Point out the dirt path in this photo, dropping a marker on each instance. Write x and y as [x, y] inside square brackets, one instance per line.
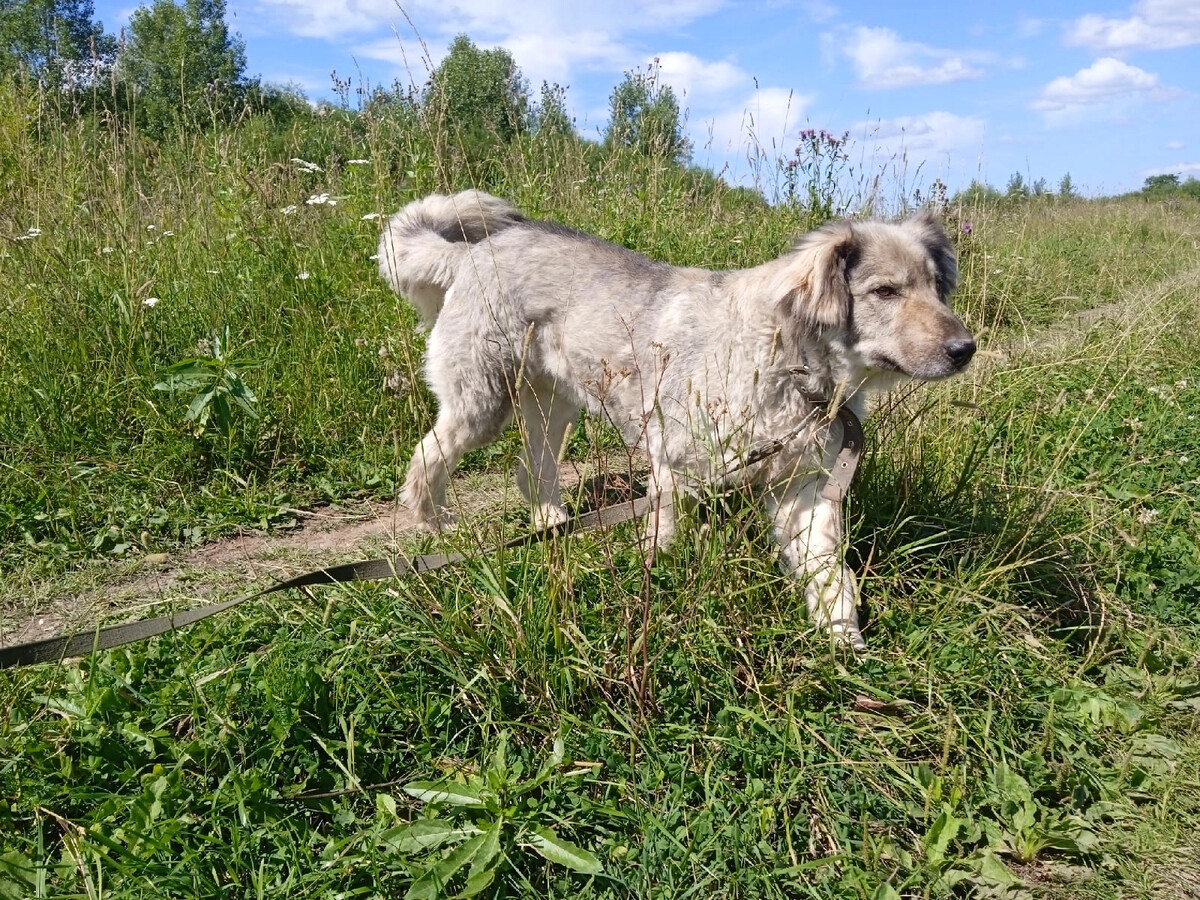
[107, 590]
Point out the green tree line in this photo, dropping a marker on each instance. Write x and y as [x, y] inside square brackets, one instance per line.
[180, 67]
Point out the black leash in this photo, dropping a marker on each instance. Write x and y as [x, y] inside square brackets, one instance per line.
[55, 649]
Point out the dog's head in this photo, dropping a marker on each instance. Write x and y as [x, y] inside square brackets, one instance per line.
[888, 286]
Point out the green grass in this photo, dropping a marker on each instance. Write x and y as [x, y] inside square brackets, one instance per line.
[1024, 723]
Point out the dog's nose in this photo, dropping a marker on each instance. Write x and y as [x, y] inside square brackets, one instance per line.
[960, 350]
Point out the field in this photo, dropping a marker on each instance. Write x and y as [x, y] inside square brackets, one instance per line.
[196, 351]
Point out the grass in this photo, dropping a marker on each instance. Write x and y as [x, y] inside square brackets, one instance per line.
[559, 720]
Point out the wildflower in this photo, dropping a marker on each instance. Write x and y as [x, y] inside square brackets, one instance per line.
[30, 234]
[321, 200]
[106, 249]
[373, 256]
[369, 216]
[168, 233]
[383, 352]
[151, 227]
[150, 302]
[305, 166]
[966, 228]
[302, 276]
[359, 162]
[289, 209]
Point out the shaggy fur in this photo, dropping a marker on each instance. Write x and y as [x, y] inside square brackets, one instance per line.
[534, 319]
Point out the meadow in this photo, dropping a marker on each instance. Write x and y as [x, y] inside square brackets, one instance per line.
[195, 343]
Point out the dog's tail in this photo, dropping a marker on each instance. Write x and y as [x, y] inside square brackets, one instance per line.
[422, 244]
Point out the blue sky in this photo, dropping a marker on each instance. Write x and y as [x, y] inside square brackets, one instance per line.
[957, 90]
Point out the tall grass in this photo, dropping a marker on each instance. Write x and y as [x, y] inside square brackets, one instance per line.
[1025, 720]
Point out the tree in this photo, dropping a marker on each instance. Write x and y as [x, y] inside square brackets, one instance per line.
[184, 66]
[1066, 188]
[55, 41]
[1161, 184]
[1016, 186]
[480, 96]
[644, 115]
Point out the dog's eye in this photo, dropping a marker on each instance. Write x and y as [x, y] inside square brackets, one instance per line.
[886, 292]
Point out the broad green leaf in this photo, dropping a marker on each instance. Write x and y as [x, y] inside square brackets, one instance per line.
[943, 830]
[461, 855]
[992, 870]
[444, 792]
[17, 876]
[477, 882]
[424, 834]
[432, 884]
[561, 851]
[198, 409]
[488, 849]
[424, 888]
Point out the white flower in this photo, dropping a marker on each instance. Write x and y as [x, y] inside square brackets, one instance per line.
[369, 216]
[151, 227]
[288, 210]
[373, 256]
[321, 200]
[168, 233]
[151, 302]
[305, 166]
[359, 162]
[303, 276]
[30, 234]
[212, 271]
[106, 249]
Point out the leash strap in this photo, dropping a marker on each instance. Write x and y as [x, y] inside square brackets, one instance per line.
[55, 649]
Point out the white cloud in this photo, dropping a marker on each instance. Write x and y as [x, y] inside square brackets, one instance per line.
[1175, 145]
[1106, 82]
[1154, 25]
[1029, 27]
[921, 137]
[693, 78]
[1181, 169]
[883, 60]
[766, 121]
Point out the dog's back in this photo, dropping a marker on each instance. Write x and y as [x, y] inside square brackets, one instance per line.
[422, 244]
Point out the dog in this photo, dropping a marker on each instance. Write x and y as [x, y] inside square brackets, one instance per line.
[534, 320]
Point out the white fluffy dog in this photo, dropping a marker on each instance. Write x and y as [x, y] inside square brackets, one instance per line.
[695, 366]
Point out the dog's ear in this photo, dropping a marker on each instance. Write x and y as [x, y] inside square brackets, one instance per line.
[929, 231]
[820, 294]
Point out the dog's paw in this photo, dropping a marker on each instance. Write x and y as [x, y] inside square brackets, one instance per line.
[548, 515]
[847, 634]
[408, 519]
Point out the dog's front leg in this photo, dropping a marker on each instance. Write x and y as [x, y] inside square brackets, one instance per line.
[808, 527]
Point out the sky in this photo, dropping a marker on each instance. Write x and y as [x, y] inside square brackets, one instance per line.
[1108, 92]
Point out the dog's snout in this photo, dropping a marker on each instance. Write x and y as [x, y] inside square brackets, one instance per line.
[960, 350]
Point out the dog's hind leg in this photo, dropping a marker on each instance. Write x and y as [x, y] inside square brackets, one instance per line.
[545, 415]
[808, 527]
